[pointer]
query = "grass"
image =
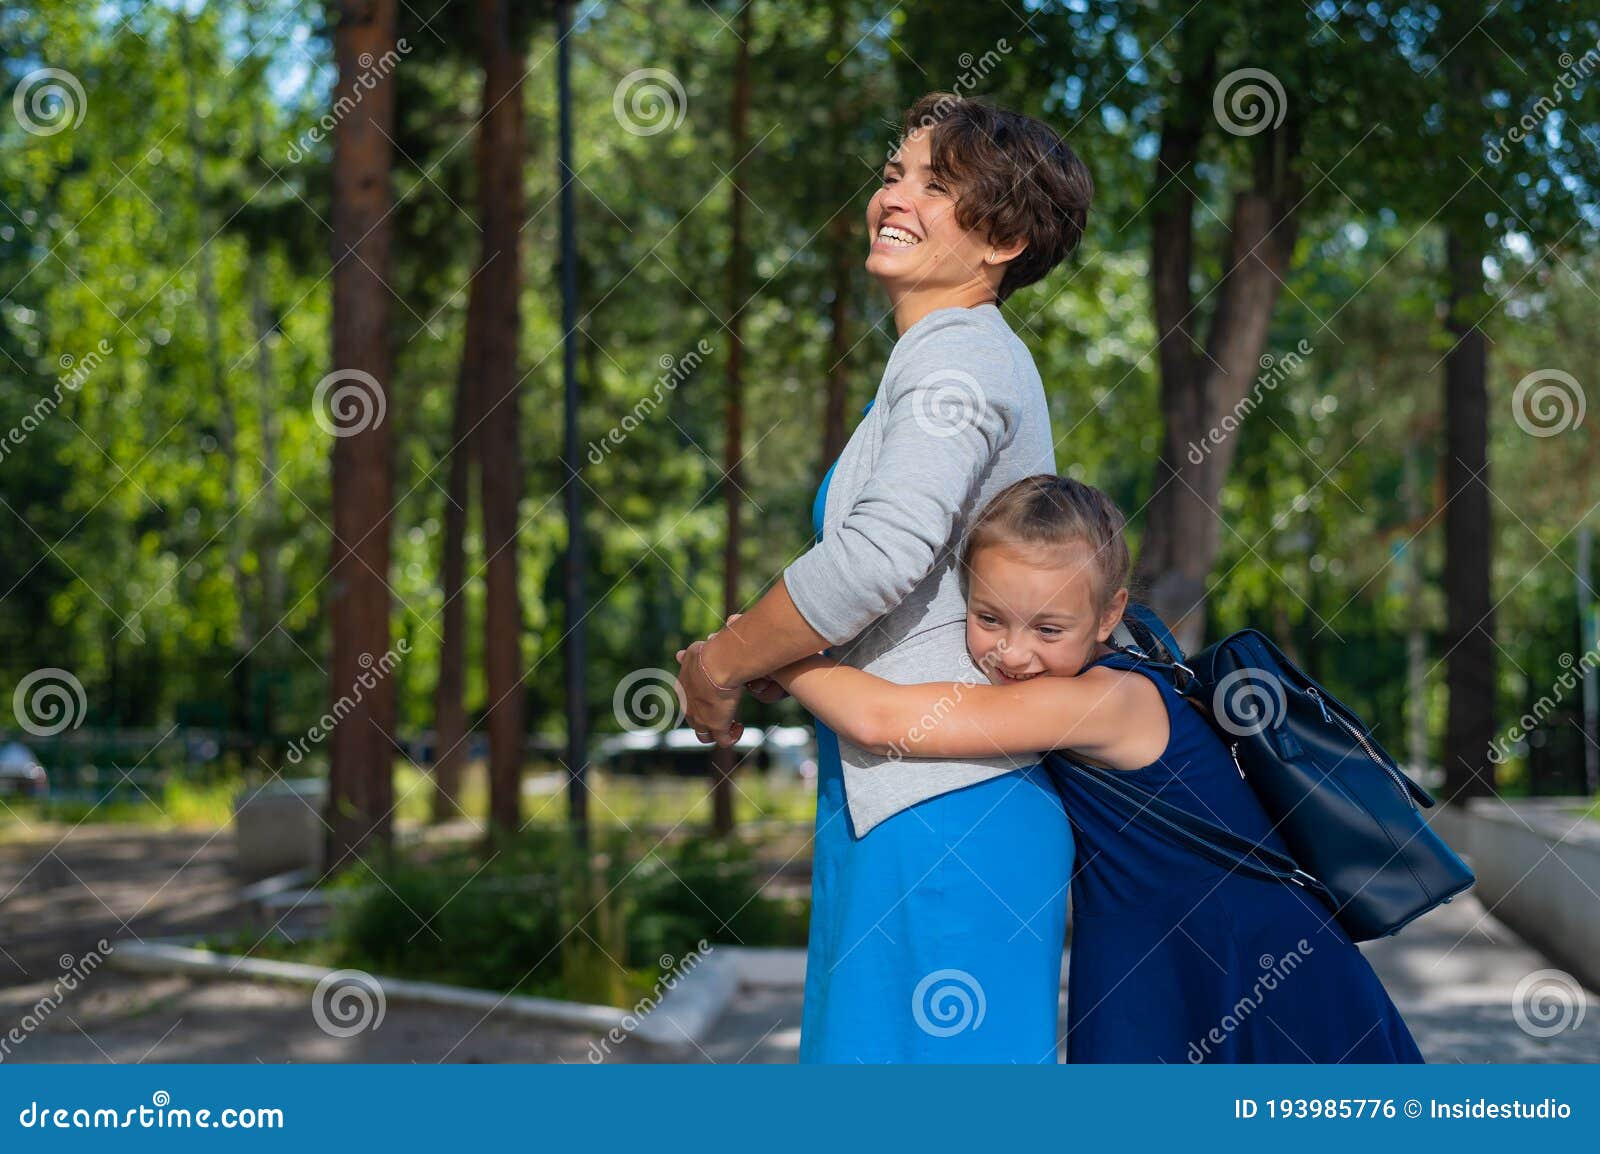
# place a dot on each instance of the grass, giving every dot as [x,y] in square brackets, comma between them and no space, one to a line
[535,916]
[617,802]
[181,804]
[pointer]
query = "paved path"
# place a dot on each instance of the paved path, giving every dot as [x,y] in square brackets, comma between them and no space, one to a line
[1454,975]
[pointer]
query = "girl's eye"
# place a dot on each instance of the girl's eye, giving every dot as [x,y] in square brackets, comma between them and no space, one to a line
[1049,631]
[988,619]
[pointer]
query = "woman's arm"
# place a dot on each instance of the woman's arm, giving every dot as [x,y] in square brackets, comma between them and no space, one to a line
[948,407]
[1114,717]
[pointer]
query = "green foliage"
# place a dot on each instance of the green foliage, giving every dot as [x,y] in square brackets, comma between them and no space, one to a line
[117,533]
[535,916]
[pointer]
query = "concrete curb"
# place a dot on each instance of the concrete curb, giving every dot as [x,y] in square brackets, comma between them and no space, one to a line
[155,957]
[683,1018]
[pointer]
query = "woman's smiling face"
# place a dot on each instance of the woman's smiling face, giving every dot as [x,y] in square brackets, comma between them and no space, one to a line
[911,222]
[1031,613]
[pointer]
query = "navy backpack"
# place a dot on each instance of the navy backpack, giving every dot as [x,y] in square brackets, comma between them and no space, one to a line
[1352,821]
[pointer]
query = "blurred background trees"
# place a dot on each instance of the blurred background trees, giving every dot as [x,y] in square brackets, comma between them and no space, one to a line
[1404,192]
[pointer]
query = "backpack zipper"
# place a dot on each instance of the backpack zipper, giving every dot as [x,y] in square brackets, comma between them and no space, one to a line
[1361,740]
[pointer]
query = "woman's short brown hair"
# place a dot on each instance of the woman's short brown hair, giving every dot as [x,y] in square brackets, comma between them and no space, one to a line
[1014,178]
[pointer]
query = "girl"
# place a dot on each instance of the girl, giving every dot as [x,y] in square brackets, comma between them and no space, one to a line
[1173,959]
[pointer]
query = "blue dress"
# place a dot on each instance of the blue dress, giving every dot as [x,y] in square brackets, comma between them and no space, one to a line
[937,937]
[1176,960]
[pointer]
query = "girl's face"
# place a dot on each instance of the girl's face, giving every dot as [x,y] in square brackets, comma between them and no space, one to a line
[1032,613]
[915,240]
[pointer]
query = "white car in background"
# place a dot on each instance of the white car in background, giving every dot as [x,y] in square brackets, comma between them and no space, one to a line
[21,775]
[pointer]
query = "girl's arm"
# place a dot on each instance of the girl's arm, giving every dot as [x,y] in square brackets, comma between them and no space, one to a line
[1114,717]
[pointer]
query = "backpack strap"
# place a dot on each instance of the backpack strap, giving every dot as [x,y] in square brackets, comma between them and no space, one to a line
[1142,634]
[1216,844]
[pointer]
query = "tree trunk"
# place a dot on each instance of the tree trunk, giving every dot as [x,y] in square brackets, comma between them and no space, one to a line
[1184,525]
[1469,612]
[841,231]
[500,151]
[361,749]
[723,760]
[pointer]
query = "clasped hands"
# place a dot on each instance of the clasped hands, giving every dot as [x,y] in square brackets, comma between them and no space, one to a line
[709,707]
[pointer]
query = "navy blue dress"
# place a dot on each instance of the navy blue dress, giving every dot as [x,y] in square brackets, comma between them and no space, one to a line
[1175,960]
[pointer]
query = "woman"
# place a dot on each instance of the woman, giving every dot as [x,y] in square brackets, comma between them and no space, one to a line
[933,939]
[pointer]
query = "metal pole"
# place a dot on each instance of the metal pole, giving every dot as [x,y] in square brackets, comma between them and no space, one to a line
[576,657]
[1588,621]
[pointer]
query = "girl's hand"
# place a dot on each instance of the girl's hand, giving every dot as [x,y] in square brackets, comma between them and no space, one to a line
[766,690]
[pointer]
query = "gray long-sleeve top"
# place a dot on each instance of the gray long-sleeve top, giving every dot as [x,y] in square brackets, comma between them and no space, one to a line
[959,415]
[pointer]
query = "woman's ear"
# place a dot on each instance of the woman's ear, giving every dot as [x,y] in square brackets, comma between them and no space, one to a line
[1112,617]
[1000,254]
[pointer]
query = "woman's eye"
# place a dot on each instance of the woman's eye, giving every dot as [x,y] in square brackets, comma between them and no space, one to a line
[934,186]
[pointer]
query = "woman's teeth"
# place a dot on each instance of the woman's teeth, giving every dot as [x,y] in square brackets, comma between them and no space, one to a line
[896,236]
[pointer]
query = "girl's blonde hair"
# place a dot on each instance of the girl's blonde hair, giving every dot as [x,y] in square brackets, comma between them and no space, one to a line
[1049,512]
